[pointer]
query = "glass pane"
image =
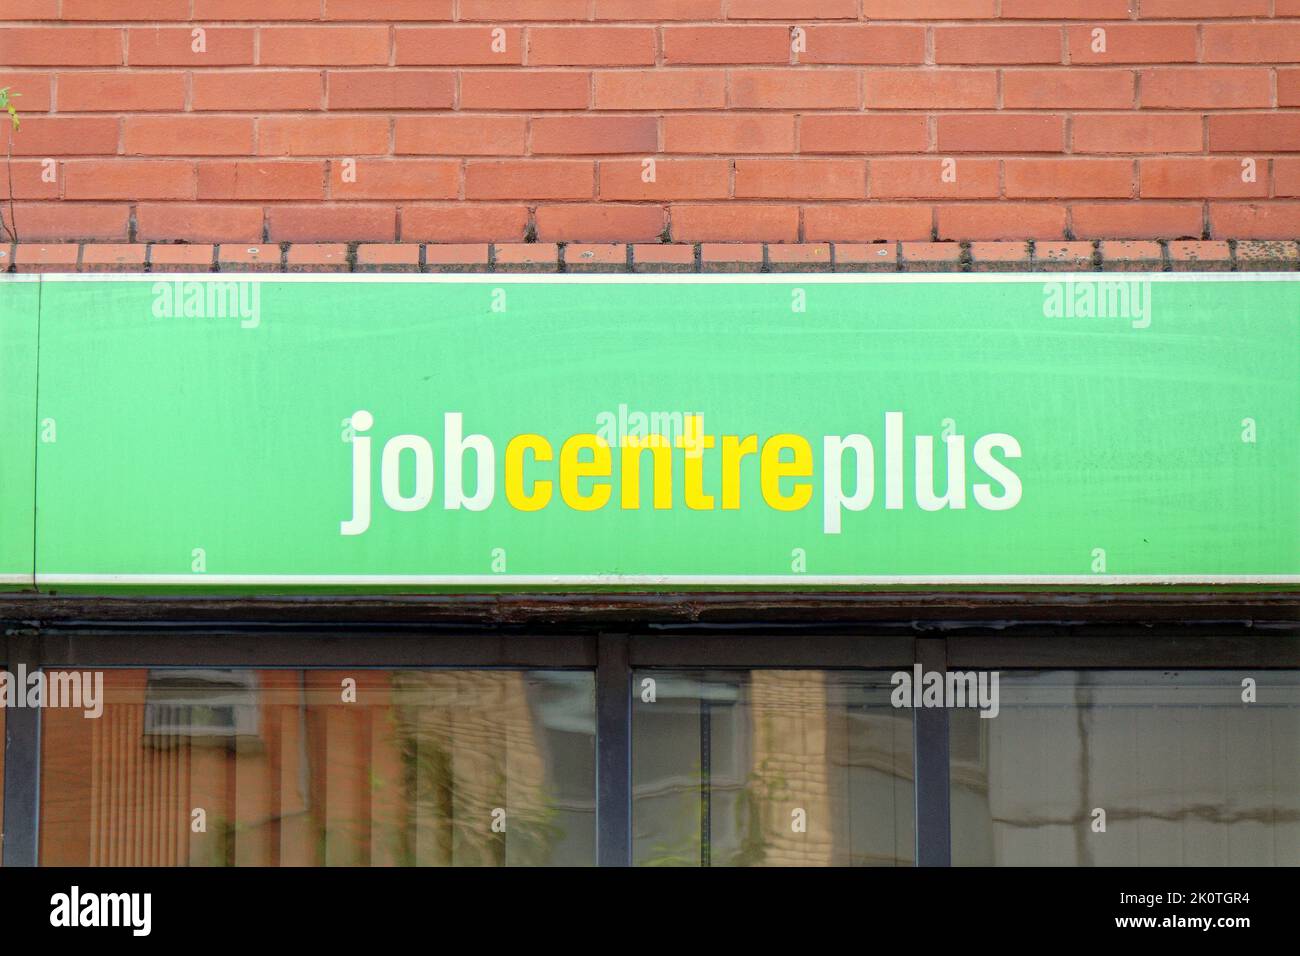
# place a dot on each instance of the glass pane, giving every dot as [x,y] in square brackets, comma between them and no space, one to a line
[1186,772]
[299,768]
[770,768]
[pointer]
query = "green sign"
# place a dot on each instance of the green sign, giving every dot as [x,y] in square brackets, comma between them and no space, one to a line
[452,432]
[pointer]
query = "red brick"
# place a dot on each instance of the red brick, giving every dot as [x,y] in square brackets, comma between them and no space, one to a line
[257,9]
[655,10]
[1135,43]
[472,222]
[187,136]
[1136,220]
[317,257]
[257,91]
[120,92]
[54,257]
[523,9]
[30,91]
[592,257]
[248,257]
[726,134]
[347,222]
[599,223]
[112,257]
[1067,88]
[866,256]
[792,9]
[800,257]
[1272,220]
[885,45]
[930,256]
[1251,42]
[929,9]
[1286,176]
[1189,9]
[782,89]
[731,257]
[868,221]
[1001,221]
[60,46]
[1136,133]
[1000,133]
[1199,177]
[457,46]
[322,135]
[461,135]
[674,179]
[391,90]
[1069,178]
[1000,257]
[1200,256]
[1195,87]
[862,133]
[1141,255]
[595,134]
[323,46]
[397,179]
[1068,9]
[29,9]
[66,136]
[734,221]
[726,44]
[128,179]
[663,257]
[180,258]
[457,257]
[801,179]
[198,222]
[997,45]
[661,90]
[125,10]
[931,89]
[1254,255]
[393,9]
[388,257]
[524,90]
[30,180]
[1246,132]
[49,220]
[174,46]
[529,179]
[1063,256]
[526,257]
[923,178]
[591,46]
[1288,87]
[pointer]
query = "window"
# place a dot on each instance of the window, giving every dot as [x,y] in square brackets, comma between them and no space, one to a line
[323,767]
[1184,770]
[770,768]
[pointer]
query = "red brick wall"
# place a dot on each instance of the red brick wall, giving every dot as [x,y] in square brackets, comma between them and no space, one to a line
[315,120]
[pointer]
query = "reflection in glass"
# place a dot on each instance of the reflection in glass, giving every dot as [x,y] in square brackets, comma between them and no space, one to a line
[1185,770]
[291,768]
[770,768]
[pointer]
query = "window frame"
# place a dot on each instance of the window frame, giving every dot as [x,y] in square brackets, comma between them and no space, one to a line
[612,635]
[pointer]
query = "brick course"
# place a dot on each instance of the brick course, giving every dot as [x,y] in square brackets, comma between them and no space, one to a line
[597,121]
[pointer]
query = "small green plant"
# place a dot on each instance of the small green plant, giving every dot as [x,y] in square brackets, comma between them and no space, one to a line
[7,104]
[7,98]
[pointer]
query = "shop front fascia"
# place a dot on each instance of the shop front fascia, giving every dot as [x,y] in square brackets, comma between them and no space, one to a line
[631,569]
